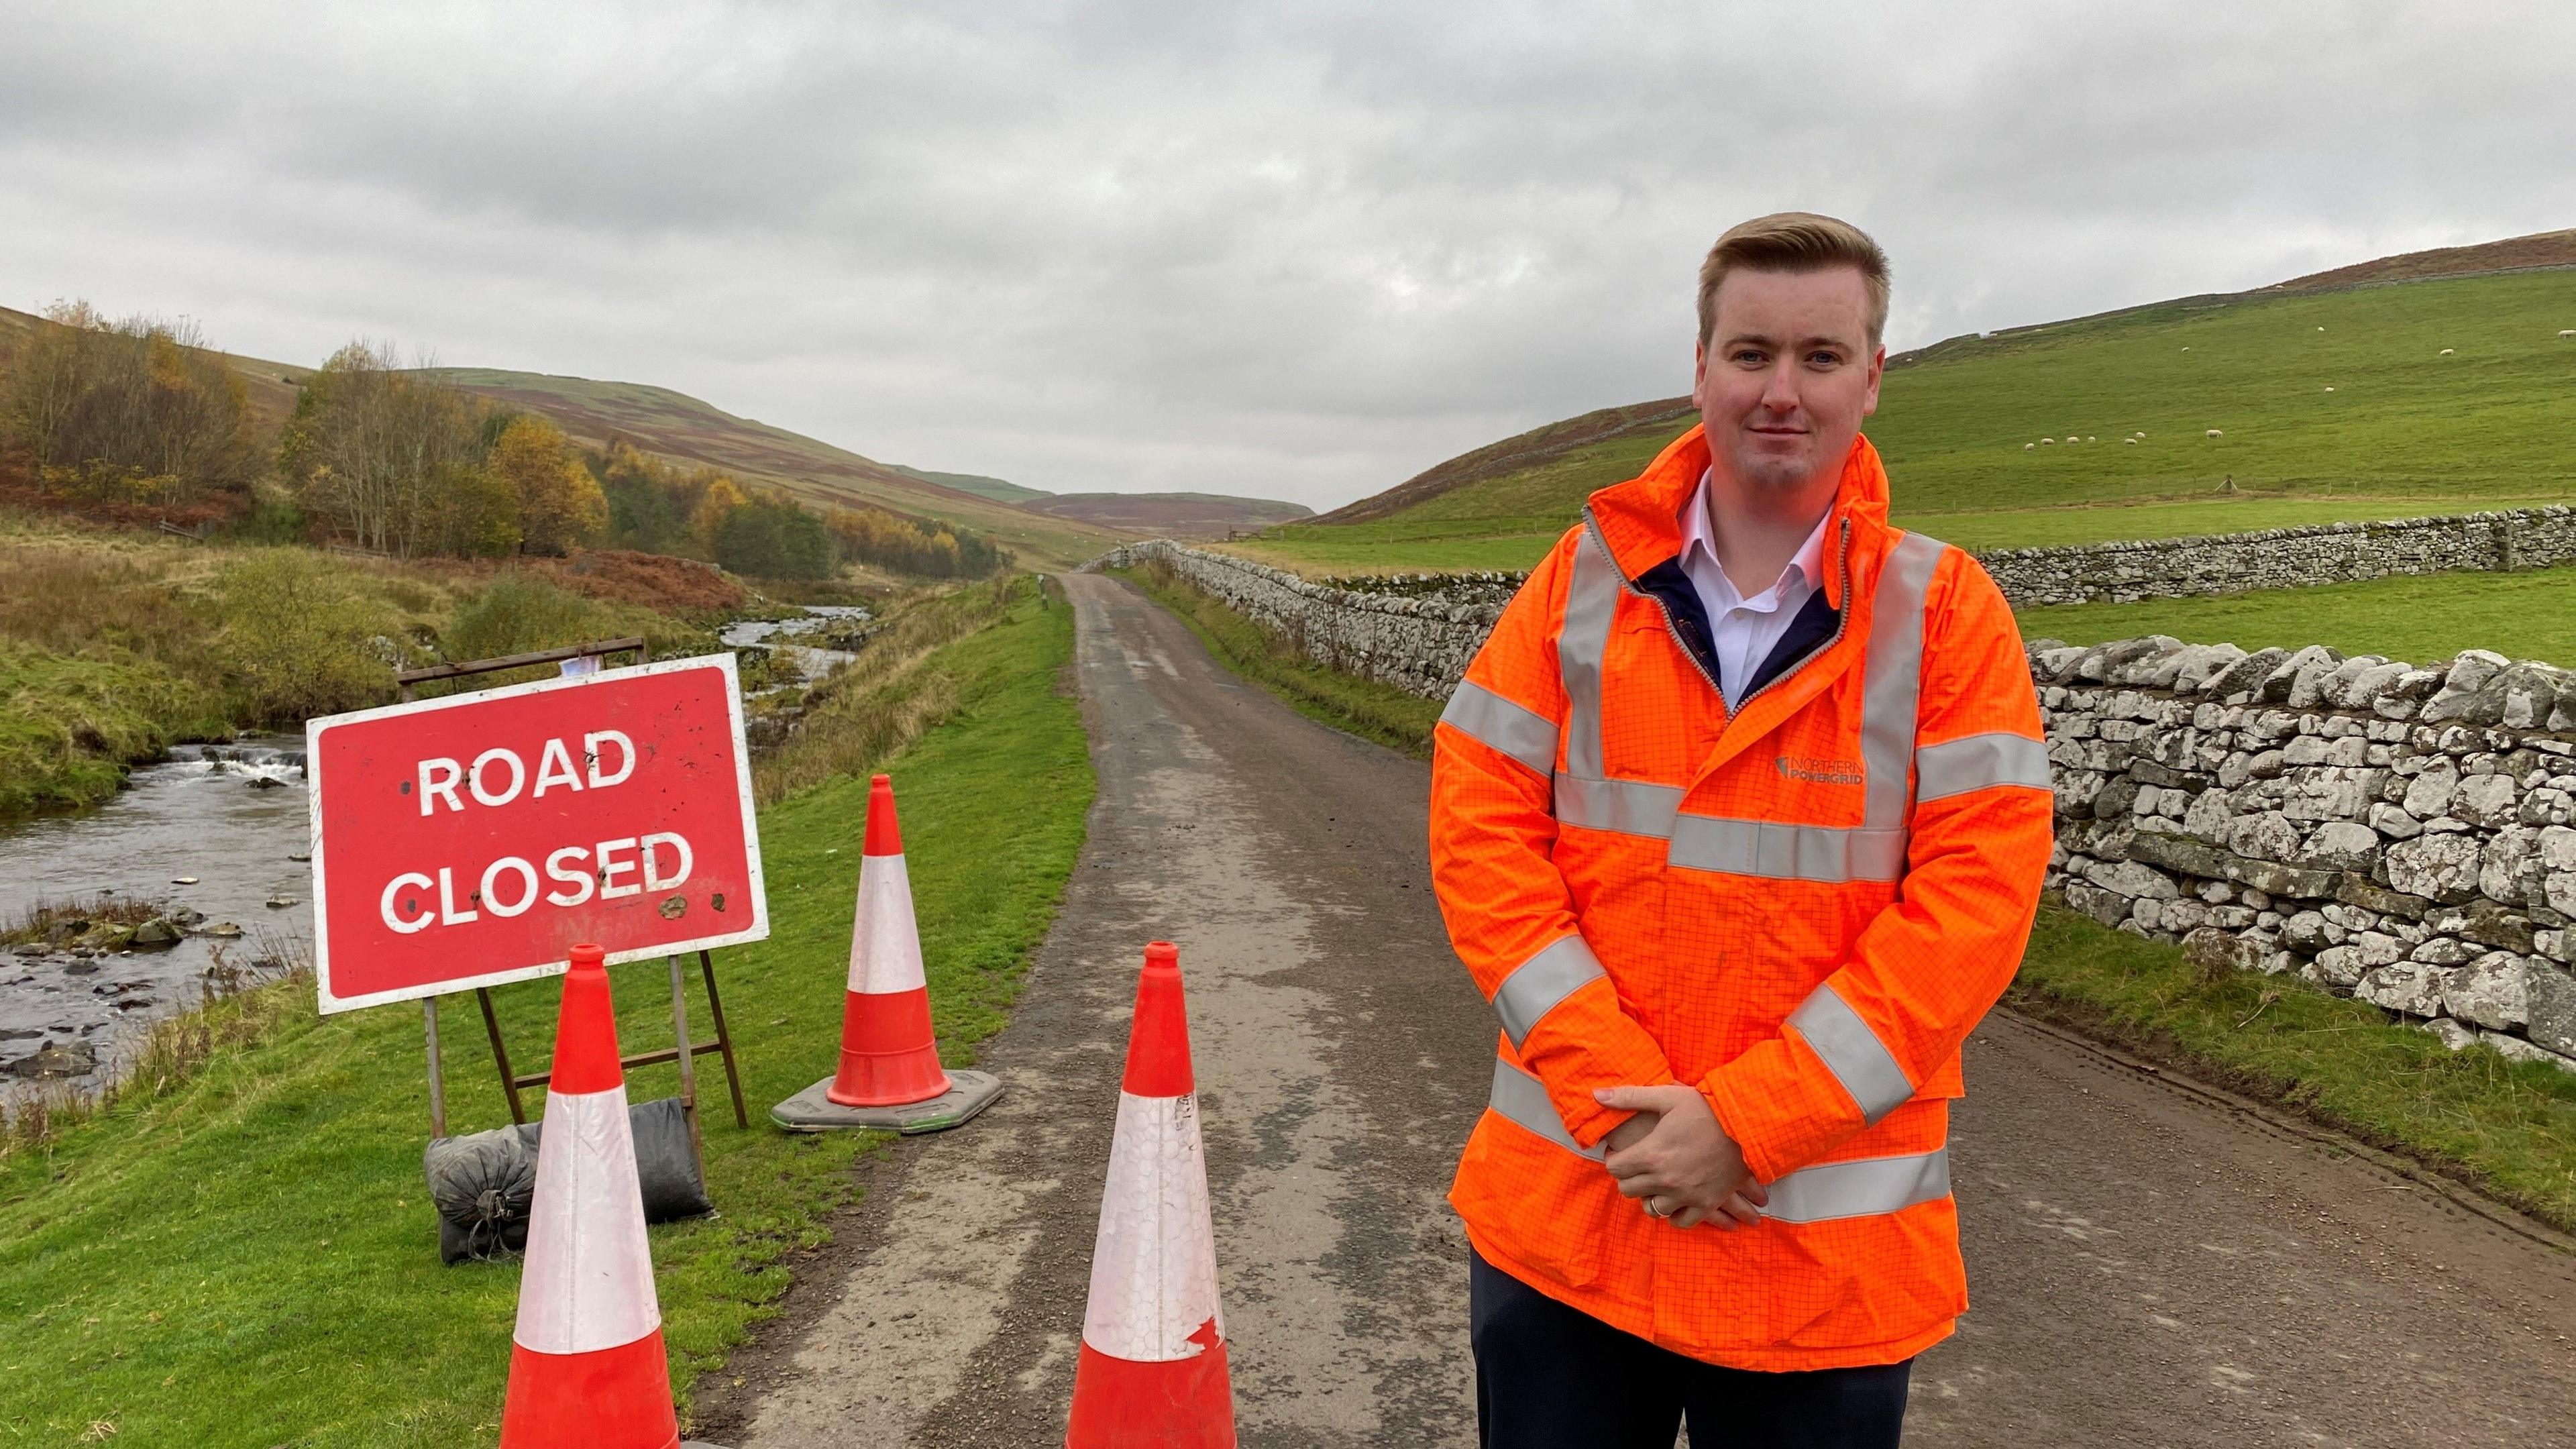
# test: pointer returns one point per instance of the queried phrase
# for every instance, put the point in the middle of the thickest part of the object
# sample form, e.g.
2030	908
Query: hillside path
2149	1266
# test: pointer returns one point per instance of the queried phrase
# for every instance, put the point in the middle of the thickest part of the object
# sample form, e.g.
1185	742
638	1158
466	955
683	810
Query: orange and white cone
1152	1369
586	1362
888	1054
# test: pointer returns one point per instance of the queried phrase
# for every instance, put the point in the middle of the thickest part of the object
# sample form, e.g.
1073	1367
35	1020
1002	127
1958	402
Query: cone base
615	1398
1183	1404
888	1081
814	1110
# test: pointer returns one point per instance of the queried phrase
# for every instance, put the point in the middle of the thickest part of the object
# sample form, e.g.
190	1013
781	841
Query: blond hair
1794	241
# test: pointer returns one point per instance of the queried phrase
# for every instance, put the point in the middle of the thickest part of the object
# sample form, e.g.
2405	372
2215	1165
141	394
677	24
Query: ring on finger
1652	1210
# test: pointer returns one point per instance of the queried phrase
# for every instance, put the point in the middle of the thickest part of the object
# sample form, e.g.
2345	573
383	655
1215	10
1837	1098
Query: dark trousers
1550	1377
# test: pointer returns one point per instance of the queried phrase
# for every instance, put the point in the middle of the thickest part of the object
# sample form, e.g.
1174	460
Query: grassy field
248	1257
2529	615
2332	405
2505	1128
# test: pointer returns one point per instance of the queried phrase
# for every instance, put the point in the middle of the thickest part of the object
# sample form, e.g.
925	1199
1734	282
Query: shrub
297	641
517	613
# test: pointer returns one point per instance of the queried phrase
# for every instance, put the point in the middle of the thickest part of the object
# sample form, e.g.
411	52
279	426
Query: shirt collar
1807	564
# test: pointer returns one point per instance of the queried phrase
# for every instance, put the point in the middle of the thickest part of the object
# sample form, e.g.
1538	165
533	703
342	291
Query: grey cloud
1303	251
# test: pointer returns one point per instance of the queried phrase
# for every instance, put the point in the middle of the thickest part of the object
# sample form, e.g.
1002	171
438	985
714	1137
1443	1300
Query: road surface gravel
2151	1264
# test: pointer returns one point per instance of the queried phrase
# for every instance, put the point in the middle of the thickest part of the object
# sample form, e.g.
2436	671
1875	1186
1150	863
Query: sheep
2092	440
2214	433
2070	437
2567	331
2132	442
2027	447
2330	389
2048	442
2447	351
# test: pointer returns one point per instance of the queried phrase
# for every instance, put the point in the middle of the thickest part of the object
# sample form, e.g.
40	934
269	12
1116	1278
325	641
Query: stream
215	830
780	637
214	838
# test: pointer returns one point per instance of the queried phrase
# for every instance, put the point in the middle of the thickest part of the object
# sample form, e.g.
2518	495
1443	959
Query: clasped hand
1677	1161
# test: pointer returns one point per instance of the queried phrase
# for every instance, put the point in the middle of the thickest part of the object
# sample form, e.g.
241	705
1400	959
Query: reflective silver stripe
1539	983
1632	807
1891	687
1852	1052
1522	1099
1591	598
1860	1188
1979	762
1786	852
1852	1189
1509	728
1892	680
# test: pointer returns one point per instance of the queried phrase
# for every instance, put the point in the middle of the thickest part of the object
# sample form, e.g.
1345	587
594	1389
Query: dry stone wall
2161	568
2389	831
2401	833
1415	632
2275	558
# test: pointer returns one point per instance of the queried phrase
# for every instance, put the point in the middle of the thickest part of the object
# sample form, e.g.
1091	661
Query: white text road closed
474	839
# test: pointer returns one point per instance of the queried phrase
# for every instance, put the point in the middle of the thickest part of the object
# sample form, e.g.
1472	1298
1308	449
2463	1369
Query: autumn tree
558	503
138	410
771	537
716	504
394	459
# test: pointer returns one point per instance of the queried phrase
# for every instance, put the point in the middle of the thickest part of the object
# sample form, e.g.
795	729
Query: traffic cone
888	1055
889	1076
586	1362
1152	1368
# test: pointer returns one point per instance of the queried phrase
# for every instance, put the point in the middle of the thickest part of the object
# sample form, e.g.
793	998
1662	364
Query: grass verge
246	1256
2528	615
1363	707
2505	1128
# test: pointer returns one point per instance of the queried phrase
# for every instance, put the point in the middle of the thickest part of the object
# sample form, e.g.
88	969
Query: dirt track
2149	1265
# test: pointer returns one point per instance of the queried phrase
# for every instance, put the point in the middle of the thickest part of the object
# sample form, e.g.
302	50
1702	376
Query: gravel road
2151	1263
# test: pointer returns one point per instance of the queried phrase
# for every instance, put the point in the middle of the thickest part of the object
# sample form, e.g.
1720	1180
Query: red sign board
476	838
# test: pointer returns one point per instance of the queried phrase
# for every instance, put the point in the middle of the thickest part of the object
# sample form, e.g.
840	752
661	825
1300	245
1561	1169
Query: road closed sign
475	839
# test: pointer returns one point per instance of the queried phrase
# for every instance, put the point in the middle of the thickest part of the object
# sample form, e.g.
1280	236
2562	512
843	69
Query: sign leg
437	1083
501	1055
724	1041
688	1062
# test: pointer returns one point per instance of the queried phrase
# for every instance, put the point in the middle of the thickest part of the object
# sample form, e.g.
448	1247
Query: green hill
679	426
997	489
2360	399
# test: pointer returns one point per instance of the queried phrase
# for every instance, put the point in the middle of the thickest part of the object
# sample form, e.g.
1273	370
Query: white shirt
1745	631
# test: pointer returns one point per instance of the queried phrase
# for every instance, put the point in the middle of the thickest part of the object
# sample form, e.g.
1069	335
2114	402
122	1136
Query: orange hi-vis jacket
1800	908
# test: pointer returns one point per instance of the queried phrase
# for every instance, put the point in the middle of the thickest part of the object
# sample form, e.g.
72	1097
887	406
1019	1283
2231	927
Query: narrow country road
2150	1266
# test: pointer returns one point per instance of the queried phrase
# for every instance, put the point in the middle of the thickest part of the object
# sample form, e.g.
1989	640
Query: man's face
1786	375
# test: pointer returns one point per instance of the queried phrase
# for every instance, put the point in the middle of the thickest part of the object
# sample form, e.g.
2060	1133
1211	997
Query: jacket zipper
1842	621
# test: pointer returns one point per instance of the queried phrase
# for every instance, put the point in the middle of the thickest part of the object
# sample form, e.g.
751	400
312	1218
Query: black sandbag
483	1182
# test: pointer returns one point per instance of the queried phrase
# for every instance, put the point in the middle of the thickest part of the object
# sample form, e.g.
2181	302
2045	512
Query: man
1739	819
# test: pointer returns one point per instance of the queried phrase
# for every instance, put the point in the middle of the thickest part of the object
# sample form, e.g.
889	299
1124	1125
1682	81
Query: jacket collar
1639	521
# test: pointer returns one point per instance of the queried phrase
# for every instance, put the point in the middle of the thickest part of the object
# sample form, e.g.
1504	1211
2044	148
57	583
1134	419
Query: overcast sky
1297	251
